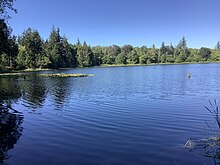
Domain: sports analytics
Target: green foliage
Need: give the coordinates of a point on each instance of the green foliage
(163, 58)
(68, 53)
(133, 57)
(85, 55)
(60, 52)
(126, 49)
(170, 59)
(181, 57)
(182, 44)
(163, 49)
(215, 55)
(12, 52)
(4, 36)
(56, 52)
(6, 5)
(8, 46)
(31, 50)
(121, 58)
(142, 54)
(205, 53)
(110, 54)
(98, 55)
(3, 61)
(152, 55)
(166, 54)
(54, 49)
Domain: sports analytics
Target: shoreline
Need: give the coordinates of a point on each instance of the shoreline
(62, 75)
(104, 66)
(154, 64)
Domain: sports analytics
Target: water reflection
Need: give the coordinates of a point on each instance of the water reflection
(10, 120)
(9, 91)
(60, 89)
(34, 91)
(10, 131)
(135, 112)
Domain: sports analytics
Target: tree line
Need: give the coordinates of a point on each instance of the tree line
(29, 50)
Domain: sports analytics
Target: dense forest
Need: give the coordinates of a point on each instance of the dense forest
(30, 50)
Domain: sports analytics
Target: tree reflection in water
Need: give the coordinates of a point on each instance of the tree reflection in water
(10, 131)
(10, 120)
(34, 91)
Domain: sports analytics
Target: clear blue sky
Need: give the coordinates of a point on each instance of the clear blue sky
(136, 22)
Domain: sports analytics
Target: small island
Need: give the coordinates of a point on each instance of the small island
(61, 75)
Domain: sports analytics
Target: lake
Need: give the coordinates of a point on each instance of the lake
(123, 115)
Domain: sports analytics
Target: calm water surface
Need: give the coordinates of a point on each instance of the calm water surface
(122, 115)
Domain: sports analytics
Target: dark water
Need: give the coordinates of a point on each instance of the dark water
(122, 115)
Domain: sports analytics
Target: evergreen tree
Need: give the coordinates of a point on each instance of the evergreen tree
(68, 53)
(8, 46)
(85, 55)
(163, 49)
(182, 52)
(12, 52)
(54, 49)
(98, 55)
(182, 44)
(152, 55)
(4, 36)
(31, 49)
(163, 53)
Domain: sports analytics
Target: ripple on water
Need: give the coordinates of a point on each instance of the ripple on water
(133, 115)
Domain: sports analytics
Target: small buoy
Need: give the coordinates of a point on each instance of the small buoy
(189, 74)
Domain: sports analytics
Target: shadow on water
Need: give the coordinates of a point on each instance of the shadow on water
(10, 119)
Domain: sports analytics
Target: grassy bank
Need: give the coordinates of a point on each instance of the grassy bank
(28, 71)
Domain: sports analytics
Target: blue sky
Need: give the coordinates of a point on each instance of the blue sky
(135, 22)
